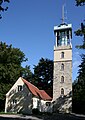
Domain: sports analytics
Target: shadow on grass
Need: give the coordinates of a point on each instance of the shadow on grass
(59, 116)
(45, 116)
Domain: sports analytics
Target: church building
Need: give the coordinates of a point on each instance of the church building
(23, 97)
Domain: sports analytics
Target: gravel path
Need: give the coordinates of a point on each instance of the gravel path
(54, 116)
(64, 117)
(18, 117)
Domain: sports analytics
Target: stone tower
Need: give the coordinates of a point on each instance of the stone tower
(62, 82)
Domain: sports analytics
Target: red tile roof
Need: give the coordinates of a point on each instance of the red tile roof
(45, 96)
(35, 91)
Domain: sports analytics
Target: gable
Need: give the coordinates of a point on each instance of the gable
(19, 82)
(41, 94)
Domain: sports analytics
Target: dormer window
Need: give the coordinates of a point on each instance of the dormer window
(62, 54)
(19, 87)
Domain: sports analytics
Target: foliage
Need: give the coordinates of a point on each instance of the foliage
(43, 74)
(80, 2)
(10, 63)
(79, 84)
(10, 67)
(81, 31)
(27, 74)
(35, 111)
(81, 76)
(79, 89)
(1, 7)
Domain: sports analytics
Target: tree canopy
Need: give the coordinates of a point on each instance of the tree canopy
(11, 69)
(79, 83)
(81, 31)
(79, 89)
(43, 74)
(10, 63)
(80, 2)
(2, 9)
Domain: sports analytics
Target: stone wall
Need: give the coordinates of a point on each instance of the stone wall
(58, 73)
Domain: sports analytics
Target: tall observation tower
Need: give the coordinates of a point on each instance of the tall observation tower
(62, 82)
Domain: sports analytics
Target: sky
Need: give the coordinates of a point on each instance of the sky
(29, 25)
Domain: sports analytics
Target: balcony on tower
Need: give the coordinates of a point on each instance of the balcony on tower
(63, 34)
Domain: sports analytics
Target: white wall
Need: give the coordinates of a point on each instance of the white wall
(23, 98)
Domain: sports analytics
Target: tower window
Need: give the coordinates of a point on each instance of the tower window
(62, 66)
(62, 91)
(62, 54)
(62, 79)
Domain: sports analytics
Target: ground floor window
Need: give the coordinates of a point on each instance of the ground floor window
(14, 102)
(48, 103)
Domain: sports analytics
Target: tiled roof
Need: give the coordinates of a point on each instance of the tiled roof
(35, 91)
(45, 96)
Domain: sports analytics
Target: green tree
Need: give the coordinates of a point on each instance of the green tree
(43, 74)
(10, 68)
(10, 63)
(2, 9)
(81, 76)
(79, 89)
(80, 2)
(27, 74)
(79, 83)
(81, 31)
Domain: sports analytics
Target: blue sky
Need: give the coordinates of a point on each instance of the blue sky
(29, 24)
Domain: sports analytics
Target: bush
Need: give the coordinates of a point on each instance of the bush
(35, 111)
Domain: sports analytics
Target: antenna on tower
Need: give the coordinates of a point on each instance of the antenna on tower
(63, 13)
(63, 18)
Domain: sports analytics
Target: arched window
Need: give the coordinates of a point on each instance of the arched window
(62, 91)
(62, 54)
(62, 66)
(62, 79)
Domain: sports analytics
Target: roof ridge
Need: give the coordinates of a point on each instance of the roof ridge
(30, 83)
(36, 91)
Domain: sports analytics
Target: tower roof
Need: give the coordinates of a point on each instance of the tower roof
(62, 27)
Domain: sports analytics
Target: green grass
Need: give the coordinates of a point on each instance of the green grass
(8, 113)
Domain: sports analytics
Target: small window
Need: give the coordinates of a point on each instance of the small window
(62, 91)
(48, 103)
(62, 54)
(38, 103)
(62, 79)
(19, 87)
(62, 66)
(14, 102)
